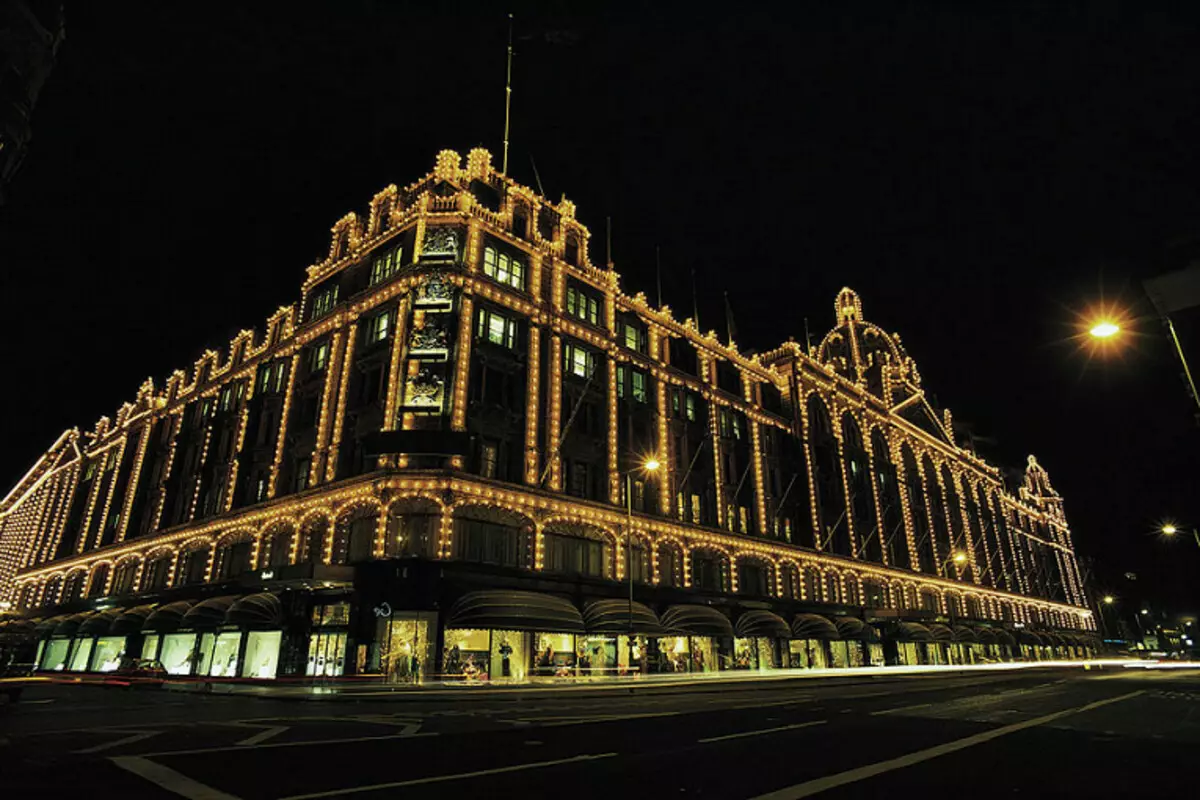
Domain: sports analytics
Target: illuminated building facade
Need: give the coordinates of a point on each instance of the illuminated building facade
(420, 467)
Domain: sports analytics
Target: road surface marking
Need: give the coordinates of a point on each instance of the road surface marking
(135, 737)
(442, 778)
(899, 710)
(764, 730)
(347, 740)
(269, 732)
(169, 779)
(817, 785)
(31, 702)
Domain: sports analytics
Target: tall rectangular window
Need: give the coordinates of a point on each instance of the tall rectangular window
(582, 305)
(633, 337)
(496, 328)
(503, 268)
(638, 385)
(379, 327)
(318, 357)
(577, 360)
(488, 458)
(323, 303)
(689, 404)
(385, 265)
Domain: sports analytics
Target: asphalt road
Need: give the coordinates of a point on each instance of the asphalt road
(1114, 733)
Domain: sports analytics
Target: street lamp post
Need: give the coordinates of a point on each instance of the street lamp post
(650, 465)
(958, 557)
(1170, 530)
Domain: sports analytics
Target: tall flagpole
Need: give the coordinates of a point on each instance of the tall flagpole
(508, 94)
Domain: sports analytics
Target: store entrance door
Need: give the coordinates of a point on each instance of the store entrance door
(326, 654)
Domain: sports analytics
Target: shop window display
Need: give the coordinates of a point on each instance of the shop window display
(177, 654)
(754, 653)
(54, 656)
(466, 653)
(219, 654)
(106, 656)
(689, 654)
(509, 655)
(150, 646)
(81, 653)
(403, 653)
(556, 654)
(262, 654)
(326, 654)
(807, 653)
(600, 655)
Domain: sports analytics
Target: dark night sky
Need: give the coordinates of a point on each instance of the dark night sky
(979, 174)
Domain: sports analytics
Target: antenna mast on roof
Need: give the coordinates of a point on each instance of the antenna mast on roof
(508, 93)
(695, 301)
(536, 176)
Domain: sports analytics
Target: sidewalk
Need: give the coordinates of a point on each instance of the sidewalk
(656, 684)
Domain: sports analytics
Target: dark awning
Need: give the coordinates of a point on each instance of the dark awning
(759, 622)
(69, 625)
(16, 629)
(940, 633)
(131, 620)
(208, 614)
(964, 634)
(46, 627)
(97, 624)
(613, 616)
(1004, 637)
(515, 610)
(1028, 637)
(986, 635)
(813, 626)
(854, 628)
(696, 621)
(261, 611)
(1052, 639)
(166, 619)
(910, 632)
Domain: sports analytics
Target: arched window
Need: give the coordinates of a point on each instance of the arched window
(670, 565)
(954, 605)
(834, 532)
(789, 582)
(573, 551)
(412, 530)
(193, 564)
(638, 561)
(154, 574)
(874, 594)
(276, 547)
(710, 571)
(73, 586)
(489, 536)
(891, 513)
(938, 520)
(754, 579)
(354, 537)
(98, 581)
(851, 591)
(53, 593)
(233, 558)
(312, 540)
(833, 588)
(812, 585)
(123, 576)
(929, 601)
(862, 504)
(974, 610)
(922, 533)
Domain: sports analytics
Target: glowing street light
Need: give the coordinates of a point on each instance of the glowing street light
(1169, 530)
(1104, 329)
(651, 464)
(1109, 599)
(960, 557)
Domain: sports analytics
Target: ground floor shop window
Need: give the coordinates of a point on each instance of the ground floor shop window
(54, 656)
(326, 654)
(37, 659)
(875, 654)
(219, 654)
(631, 660)
(689, 653)
(107, 655)
(807, 653)
(150, 646)
(556, 654)
(262, 654)
(177, 654)
(754, 653)
(906, 654)
(81, 653)
(467, 652)
(403, 652)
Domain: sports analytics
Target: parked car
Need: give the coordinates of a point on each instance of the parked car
(139, 672)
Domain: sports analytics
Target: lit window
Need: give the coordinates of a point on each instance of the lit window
(487, 461)
(744, 519)
(277, 376)
(621, 372)
(633, 337)
(379, 328)
(690, 407)
(639, 386)
(385, 266)
(323, 303)
(496, 328)
(578, 361)
(696, 509)
(503, 268)
(583, 306)
(226, 397)
(319, 357)
(675, 402)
